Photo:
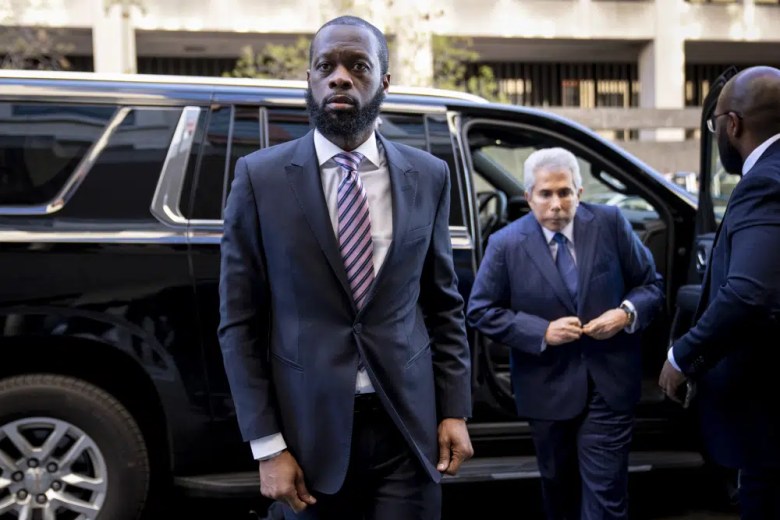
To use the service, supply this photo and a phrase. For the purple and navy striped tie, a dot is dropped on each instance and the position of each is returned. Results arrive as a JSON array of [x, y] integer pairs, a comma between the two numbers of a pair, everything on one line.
[[355, 243]]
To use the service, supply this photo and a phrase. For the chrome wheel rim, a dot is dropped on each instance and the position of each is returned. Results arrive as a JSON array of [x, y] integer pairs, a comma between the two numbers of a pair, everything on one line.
[[50, 470]]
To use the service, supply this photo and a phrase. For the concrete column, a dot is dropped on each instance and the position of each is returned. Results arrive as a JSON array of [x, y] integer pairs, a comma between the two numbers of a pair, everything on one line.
[[113, 38], [413, 45], [662, 68]]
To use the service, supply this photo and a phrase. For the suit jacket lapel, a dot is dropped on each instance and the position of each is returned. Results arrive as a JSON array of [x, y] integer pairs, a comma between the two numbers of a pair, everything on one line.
[[586, 235], [403, 188], [303, 174], [539, 251]]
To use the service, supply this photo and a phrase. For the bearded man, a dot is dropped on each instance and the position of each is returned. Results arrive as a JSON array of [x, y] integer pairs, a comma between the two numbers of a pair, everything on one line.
[[342, 328]]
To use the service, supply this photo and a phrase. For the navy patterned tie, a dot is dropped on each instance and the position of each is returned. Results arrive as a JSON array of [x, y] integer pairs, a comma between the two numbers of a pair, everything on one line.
[[355, 244], [566, 266]]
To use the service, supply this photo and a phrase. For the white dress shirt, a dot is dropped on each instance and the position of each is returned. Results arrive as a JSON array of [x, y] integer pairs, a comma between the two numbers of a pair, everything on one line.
[[375, 175], [751, 161], [568, 232]]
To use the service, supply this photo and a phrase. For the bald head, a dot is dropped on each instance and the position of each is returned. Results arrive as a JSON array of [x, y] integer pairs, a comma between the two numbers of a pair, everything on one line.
[[754, 93]]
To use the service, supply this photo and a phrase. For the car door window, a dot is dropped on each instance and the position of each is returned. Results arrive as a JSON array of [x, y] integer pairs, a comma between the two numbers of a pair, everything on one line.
[[498, 152], [226, 134], [42, 144]]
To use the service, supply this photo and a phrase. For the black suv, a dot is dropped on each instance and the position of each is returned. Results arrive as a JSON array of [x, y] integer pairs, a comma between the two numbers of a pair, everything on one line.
[[112, 192]]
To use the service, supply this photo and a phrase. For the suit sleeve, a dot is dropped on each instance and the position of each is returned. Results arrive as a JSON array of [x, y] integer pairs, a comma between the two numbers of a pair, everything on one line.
[[645, 289], [750, 295], [489, 305], [244, 312], [442, 307]]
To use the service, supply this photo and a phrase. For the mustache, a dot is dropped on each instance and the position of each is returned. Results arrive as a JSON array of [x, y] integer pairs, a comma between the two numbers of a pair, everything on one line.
[[340, 98]]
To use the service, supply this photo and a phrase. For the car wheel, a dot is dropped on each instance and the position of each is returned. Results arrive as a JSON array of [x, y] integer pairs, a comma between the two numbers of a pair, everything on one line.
[[68, 451]]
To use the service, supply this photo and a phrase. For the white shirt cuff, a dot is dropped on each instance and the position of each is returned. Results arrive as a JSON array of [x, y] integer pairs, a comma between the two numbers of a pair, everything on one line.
[[632, 328], [670, 357], [267, 445]]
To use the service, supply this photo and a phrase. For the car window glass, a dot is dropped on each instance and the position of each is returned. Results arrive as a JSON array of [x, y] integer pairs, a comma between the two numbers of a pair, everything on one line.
[[42, 144], [211, 165], [501, 152], [245, 139], [286, 124], [133, 158]]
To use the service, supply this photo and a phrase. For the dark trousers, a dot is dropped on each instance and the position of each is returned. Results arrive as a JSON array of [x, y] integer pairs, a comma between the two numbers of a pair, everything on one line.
[[385, 481], [759, 494], [584, 463]]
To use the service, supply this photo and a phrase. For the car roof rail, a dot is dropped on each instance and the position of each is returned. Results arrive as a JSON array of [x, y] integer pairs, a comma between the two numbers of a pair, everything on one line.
[[218, 81]]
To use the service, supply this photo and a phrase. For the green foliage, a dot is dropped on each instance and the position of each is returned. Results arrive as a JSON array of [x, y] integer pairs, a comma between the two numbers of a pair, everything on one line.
[[31, 48], [451, 56], [273, 61]]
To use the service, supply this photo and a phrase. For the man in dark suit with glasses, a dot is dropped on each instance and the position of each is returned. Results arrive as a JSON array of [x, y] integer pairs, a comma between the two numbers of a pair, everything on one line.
[[733, 351]]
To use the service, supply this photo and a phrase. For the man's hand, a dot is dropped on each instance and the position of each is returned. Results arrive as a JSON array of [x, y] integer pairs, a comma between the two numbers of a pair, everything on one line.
[[281, 478], [606, 325], [454, 445], [563, 330], [670, 381]]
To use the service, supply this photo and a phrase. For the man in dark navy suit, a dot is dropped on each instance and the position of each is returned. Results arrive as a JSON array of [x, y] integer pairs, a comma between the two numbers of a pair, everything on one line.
[[733, 350], [567, 288], [342, 327]]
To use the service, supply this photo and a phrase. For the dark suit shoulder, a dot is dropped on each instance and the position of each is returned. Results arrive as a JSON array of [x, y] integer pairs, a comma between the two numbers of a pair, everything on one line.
[[756, 199], [280, 153], [419, 159], [600, 211], [516, 232]]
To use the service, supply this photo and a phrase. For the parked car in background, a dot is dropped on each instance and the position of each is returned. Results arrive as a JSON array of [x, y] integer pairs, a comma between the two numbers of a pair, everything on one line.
[[112, 189]]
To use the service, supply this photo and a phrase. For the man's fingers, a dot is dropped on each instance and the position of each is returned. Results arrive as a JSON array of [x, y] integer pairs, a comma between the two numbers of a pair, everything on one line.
[[303, 493], [295, 503], [444, 455], [455, 462]]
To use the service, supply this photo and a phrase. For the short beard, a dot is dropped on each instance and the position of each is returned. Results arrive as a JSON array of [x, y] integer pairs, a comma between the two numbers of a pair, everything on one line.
[[348, 124], [729, 156]]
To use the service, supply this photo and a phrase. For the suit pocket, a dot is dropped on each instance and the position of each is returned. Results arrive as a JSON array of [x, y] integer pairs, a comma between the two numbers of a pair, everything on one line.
[[417, 355], [418, 233], [287, 362]]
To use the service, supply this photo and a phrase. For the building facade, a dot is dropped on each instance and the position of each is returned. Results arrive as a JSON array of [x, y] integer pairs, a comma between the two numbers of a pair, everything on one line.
[[582, 54]]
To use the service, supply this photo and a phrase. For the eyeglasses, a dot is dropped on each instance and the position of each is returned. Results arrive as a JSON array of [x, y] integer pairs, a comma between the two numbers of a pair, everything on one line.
[[714, 117]]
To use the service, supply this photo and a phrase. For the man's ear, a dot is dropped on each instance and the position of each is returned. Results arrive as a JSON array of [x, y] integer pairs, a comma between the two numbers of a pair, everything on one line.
[[386, 82], [579, 192], [527, 196], [736, 124], [308, 74]]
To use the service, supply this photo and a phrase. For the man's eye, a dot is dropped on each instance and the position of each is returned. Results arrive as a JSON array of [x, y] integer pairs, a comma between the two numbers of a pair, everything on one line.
[[362, 67], [323, 67]]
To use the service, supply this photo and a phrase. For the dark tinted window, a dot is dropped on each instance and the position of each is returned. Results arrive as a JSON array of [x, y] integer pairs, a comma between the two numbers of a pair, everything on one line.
[[41, 145], [286, 124], [430, 133], [210, 160], [405, 129], [232, 131], [246, 138], [440, 145], [121, 183]]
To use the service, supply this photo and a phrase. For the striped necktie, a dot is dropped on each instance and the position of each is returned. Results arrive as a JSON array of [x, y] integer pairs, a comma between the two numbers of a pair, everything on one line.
[[566, 266], [355, 243]]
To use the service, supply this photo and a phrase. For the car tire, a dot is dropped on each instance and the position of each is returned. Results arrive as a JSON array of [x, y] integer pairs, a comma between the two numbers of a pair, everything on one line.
[[65, 443]]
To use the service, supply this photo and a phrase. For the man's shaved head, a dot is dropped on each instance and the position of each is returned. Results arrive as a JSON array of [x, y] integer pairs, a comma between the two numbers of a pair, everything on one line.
[[746, 115], [754, 93]]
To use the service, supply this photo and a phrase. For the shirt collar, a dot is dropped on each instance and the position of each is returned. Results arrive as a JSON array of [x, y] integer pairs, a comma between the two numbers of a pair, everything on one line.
[[756, 154], [567, 231], [326, 150]]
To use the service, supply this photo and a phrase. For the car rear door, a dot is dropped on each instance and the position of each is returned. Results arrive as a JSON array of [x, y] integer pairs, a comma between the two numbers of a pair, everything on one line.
[[715, 186]]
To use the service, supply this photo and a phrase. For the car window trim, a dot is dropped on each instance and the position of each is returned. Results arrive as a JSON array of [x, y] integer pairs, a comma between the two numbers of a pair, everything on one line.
[[77, 177]]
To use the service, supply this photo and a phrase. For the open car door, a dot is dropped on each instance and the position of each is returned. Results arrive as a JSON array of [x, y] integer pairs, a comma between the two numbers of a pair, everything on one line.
[[715, 186]]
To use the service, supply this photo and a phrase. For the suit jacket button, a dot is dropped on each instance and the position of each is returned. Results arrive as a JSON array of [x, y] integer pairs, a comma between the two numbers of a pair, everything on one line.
[[358, 328]]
